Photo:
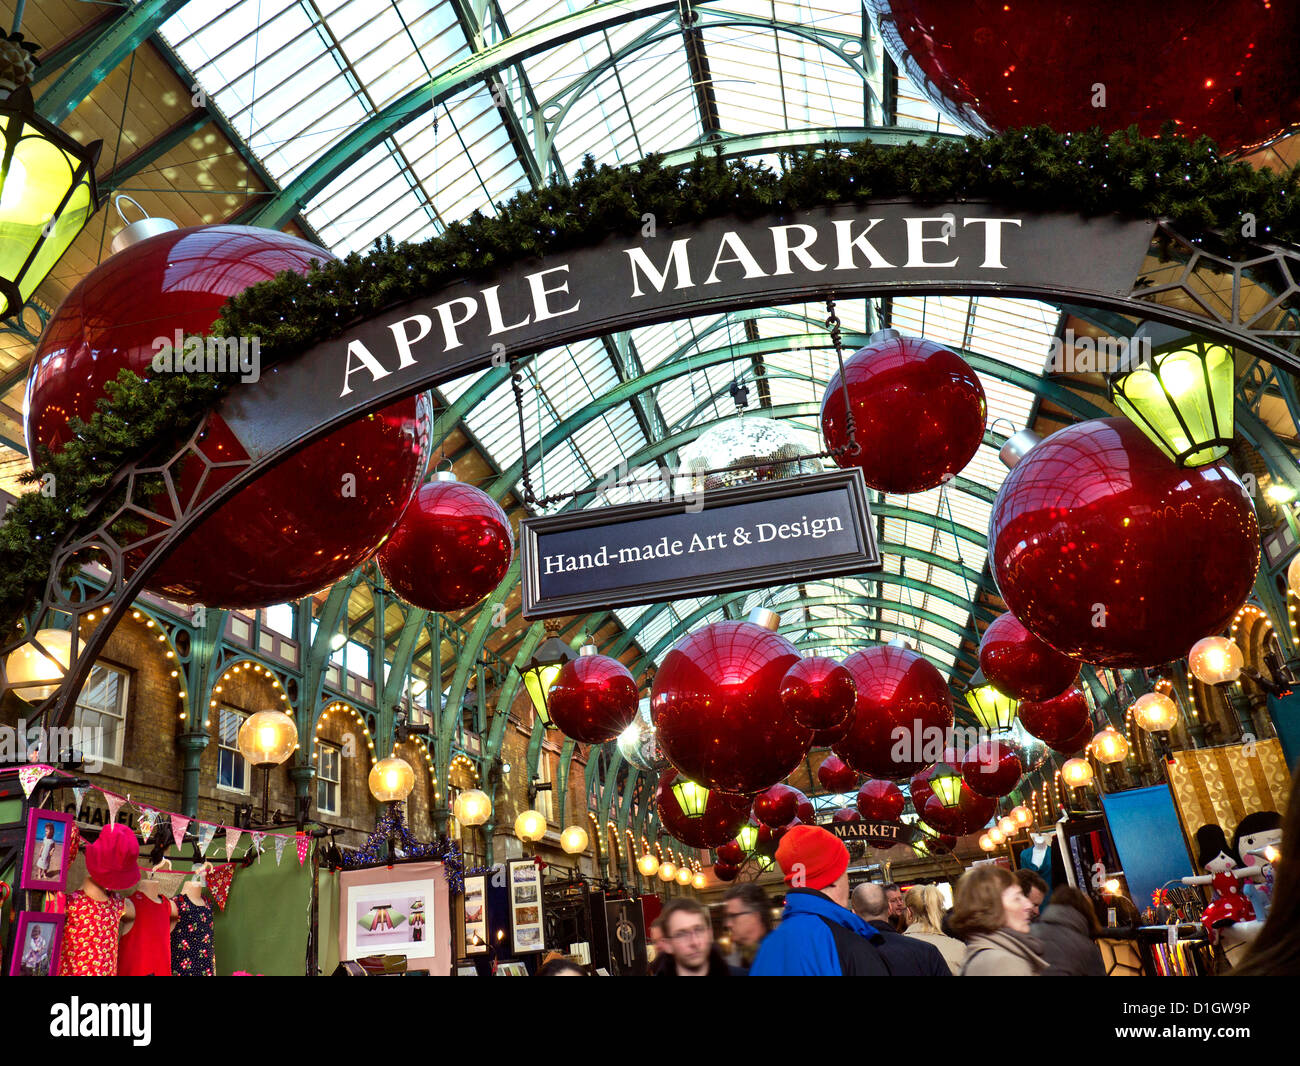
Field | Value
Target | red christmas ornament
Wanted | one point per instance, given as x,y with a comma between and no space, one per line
975,809
1077,742
731,853
723,872
1224,70
805,813
717,715
902,700
777,805
1056,719
942,844
1113,555
818,692
881,801
826,738
943,819
293,530
919,789
918,410
593,698
992,768
846,814
724,815
451,548
1020,665
835,776
768,838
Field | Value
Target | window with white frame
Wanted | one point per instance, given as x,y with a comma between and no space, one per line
329,761
279,619
232,769
101,714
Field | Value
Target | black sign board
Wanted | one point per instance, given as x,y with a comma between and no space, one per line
767,533
875,832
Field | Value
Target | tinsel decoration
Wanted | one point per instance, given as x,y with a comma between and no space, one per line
392,827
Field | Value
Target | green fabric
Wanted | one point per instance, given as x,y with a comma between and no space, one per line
263,929
328,894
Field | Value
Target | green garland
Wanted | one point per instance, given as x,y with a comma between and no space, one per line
1034,169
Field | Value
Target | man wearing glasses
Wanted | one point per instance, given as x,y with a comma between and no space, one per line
687,926
749,919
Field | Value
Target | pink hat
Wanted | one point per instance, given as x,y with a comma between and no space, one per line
113,861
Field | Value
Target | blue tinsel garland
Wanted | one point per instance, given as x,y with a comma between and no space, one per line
393,826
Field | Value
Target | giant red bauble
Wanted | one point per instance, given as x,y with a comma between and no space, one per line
1076,743
302,525
731,853
724,872
717,714
450,549
944,819
1113,555
1057,719
593,699
724,815
992,768
881,801
975,809
777,806
918,410
902,701
819,692
1020,665
1225,70
844,815
835,775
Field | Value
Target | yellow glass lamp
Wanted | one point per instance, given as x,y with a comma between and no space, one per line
691,797
996,836
1155,712
1022,816
472,807
648,864
945,782
994,710
1008,827
391,780
699,882
747,838
684,876
667,871
530,826
1215,660
1109,746
1077,772
543,668
268,738
573,839
986,843
36,674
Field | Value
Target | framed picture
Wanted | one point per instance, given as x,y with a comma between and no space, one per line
36,944
525,879
402,910
46,858
511,969
475,912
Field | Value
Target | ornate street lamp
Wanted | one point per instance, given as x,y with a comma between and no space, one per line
266,740
945,782
1155,712
1109,746
37,672
540,672
1178,392
994,710
574,840
691,797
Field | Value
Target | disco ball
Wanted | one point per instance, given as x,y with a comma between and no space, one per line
770,450
637,742
1032,751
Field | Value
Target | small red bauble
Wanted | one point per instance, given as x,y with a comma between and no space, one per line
819,693
731,853
768,838
293,530
835,776
1020,665
723,872
1224,70
919,789
777,806
593,699
1101,546
918,410
451,548
717,715
723,817
902,701
992,768
942,844
881,801
1076,743
1057,719
846,814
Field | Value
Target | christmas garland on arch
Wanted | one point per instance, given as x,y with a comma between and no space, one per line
1036,169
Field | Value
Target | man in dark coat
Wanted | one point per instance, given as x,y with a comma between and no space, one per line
1067,930
818,935
906,956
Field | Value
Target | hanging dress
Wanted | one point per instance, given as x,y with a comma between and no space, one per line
192,940
91,935
146,948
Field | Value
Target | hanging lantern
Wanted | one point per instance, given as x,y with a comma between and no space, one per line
391,780
1076,772
1155,712
986,843
1020,665
945,784
530,826
1215,660
472,807
1182,396
747,838
667,871
573,839
690,796
543,668
992,709
47,195
1022,816
1109,746
720,813
684,876
267,738
648,864
593,697
699,882
36,674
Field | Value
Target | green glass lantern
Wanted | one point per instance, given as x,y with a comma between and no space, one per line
945,782
543,668
47,195
691,797
994,710
1178,389
747,838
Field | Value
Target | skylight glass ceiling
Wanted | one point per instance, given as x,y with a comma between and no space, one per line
294,75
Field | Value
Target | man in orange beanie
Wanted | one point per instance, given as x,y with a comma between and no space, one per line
818,936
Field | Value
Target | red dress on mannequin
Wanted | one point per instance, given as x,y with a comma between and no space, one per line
147,948
90,937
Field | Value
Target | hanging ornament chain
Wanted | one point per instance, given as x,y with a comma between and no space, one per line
849,447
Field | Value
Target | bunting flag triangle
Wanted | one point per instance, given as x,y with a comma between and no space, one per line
303,841
280,841
114,802
79,794
232,838
29,777
205,837
219,883
257,844
179,824
147,820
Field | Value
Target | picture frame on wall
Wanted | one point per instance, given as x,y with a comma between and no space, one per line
37,937
403,910
527,918
45,856
474,922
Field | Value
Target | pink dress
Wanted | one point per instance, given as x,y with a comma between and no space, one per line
1230,904
90,937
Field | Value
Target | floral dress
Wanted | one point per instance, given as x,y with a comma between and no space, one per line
90,937
192,940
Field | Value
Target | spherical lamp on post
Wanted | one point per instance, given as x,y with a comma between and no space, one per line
1215,661
1022,816
472,807
996,835
1109,746
648,865
530,826
1155,712
541,670
35,674
391,780
667,871
573,839
266,740
986,843
684,876
699,882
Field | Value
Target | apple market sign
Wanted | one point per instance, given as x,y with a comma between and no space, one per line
750,536
875,832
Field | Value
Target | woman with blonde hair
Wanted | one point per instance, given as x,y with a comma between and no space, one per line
925,905
991,913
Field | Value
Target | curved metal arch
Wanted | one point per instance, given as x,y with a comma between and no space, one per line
829,642
812,625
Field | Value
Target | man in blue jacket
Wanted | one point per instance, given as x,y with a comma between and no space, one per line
818,935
